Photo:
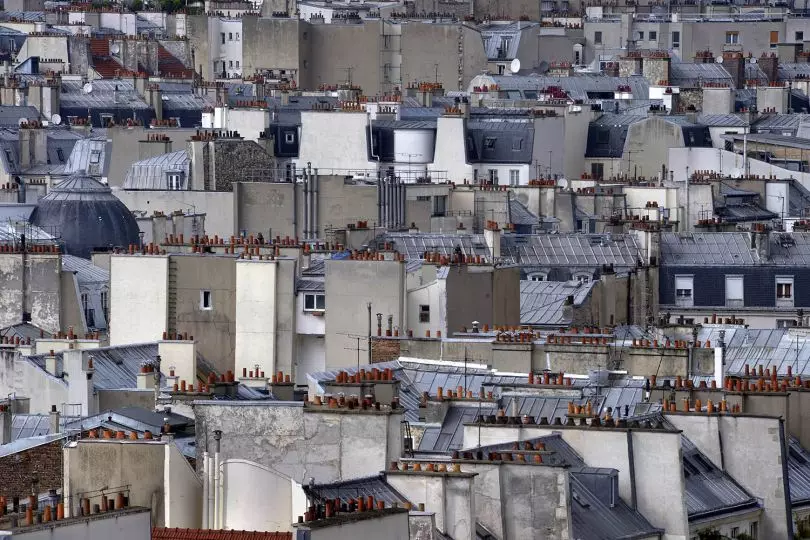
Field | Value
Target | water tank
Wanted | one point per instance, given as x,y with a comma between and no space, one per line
414,145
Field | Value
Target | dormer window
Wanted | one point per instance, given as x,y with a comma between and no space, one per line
174,180
489,143
95,156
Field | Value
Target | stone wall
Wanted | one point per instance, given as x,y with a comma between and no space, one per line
42,463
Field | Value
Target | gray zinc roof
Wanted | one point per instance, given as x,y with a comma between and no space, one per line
375,486
689,74
597,511
710,491
561,453
520,215
115,367
86,271
733,249
151,173
450,435
543,302
798,473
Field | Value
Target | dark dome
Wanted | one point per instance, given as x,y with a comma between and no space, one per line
85,214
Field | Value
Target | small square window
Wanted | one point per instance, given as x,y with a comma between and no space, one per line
489,142
653,36
205,300
230,63
597,38
517,144
222,36
289,137
424,313
230,36
799,36
314,302
732,37
514,177
676,40
237,36
237,64
784,291
95,156
641,36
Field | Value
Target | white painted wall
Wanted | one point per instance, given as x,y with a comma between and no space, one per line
256,315
310,356
503,171
23,378
451,155
256,497
250,123
230,51
433,294
414,145
124,22
182,355
183,501
306,322
139,289
334,140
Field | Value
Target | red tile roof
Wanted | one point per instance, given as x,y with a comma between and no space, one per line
170,66
200,534
107,67
99,47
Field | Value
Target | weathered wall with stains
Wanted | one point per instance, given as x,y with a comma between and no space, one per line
327,445
34,290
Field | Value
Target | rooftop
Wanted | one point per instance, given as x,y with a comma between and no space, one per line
734,249
543,302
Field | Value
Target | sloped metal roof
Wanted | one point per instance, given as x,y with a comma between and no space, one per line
23,330
597,511
30,425
561,453
520,215
450,436
690,74
798,472
115,367
86,271
733,249
721,120
21,445
543,302
375,486
710,491
151,173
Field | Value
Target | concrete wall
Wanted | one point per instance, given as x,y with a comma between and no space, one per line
326,446
40,275
213,329
138,314
277,43
449,496
218,207
658,485
183,490
326,148
350,285
125,148
23,378
393,526
133,524
760,468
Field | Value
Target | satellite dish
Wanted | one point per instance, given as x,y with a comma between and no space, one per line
87,88
22,121
753,60
719,59
56,119
514,67
115,48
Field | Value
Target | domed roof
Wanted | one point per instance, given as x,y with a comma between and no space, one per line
86,215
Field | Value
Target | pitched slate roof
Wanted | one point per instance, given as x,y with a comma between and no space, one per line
560,452
450,435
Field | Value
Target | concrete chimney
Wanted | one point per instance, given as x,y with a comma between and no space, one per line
146,379
52,366
492,237
179,356
5,423
55,418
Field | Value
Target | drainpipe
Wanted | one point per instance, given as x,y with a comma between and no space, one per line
379,199
311,186
401,206
305,232
217,482
295,201
205,501
317,181
631,460
383,206
22,276
211,502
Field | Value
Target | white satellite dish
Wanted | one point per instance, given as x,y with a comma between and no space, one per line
514,67
56,119
719,59
87,88
753,60
22,121
115,48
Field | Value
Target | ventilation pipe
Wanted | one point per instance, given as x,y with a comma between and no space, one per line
295,200
379,198
720,359
218,503
206,500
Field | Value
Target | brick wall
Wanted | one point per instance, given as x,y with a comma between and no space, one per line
384,349
42,462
